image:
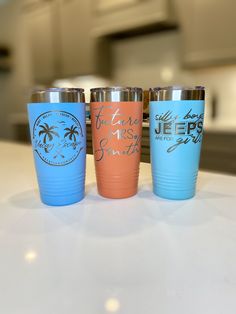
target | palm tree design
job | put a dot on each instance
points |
(71, 132)
(48, 133)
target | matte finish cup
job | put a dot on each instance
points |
(116, 117)
(58, 135)
(176, 129)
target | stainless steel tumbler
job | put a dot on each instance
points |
(58, 135)
(176, 130)
(116, 116)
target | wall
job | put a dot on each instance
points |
(14, 86)
(145, 61)
(156, 60)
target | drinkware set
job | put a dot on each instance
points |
(58, 135)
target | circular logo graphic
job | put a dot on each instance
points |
(58, 137)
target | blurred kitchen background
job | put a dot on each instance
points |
(145, 43)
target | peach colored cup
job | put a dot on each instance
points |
(116, 134)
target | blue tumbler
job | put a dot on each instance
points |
(176, 129)
(58, 136)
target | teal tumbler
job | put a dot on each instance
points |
(176, 130)
(58, 136)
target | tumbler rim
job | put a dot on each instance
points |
(177, 93)
(116, 88)
(57, 95)
(178, 87)
(116, 94)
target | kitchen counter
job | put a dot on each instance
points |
(133, 256)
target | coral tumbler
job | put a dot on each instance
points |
(116, 117)
(176, 128)
(58, 135)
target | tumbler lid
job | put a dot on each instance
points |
(58, 95)
(116, 94)
(177, 93)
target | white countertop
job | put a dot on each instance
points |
(142, 255)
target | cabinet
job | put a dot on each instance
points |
(81, 54)
(208, 31)
(60, 40)
(218, 147)
(218, 150)
(40, 22)
(117, 16)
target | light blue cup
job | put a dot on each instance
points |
(176, 129)
(58, 136)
